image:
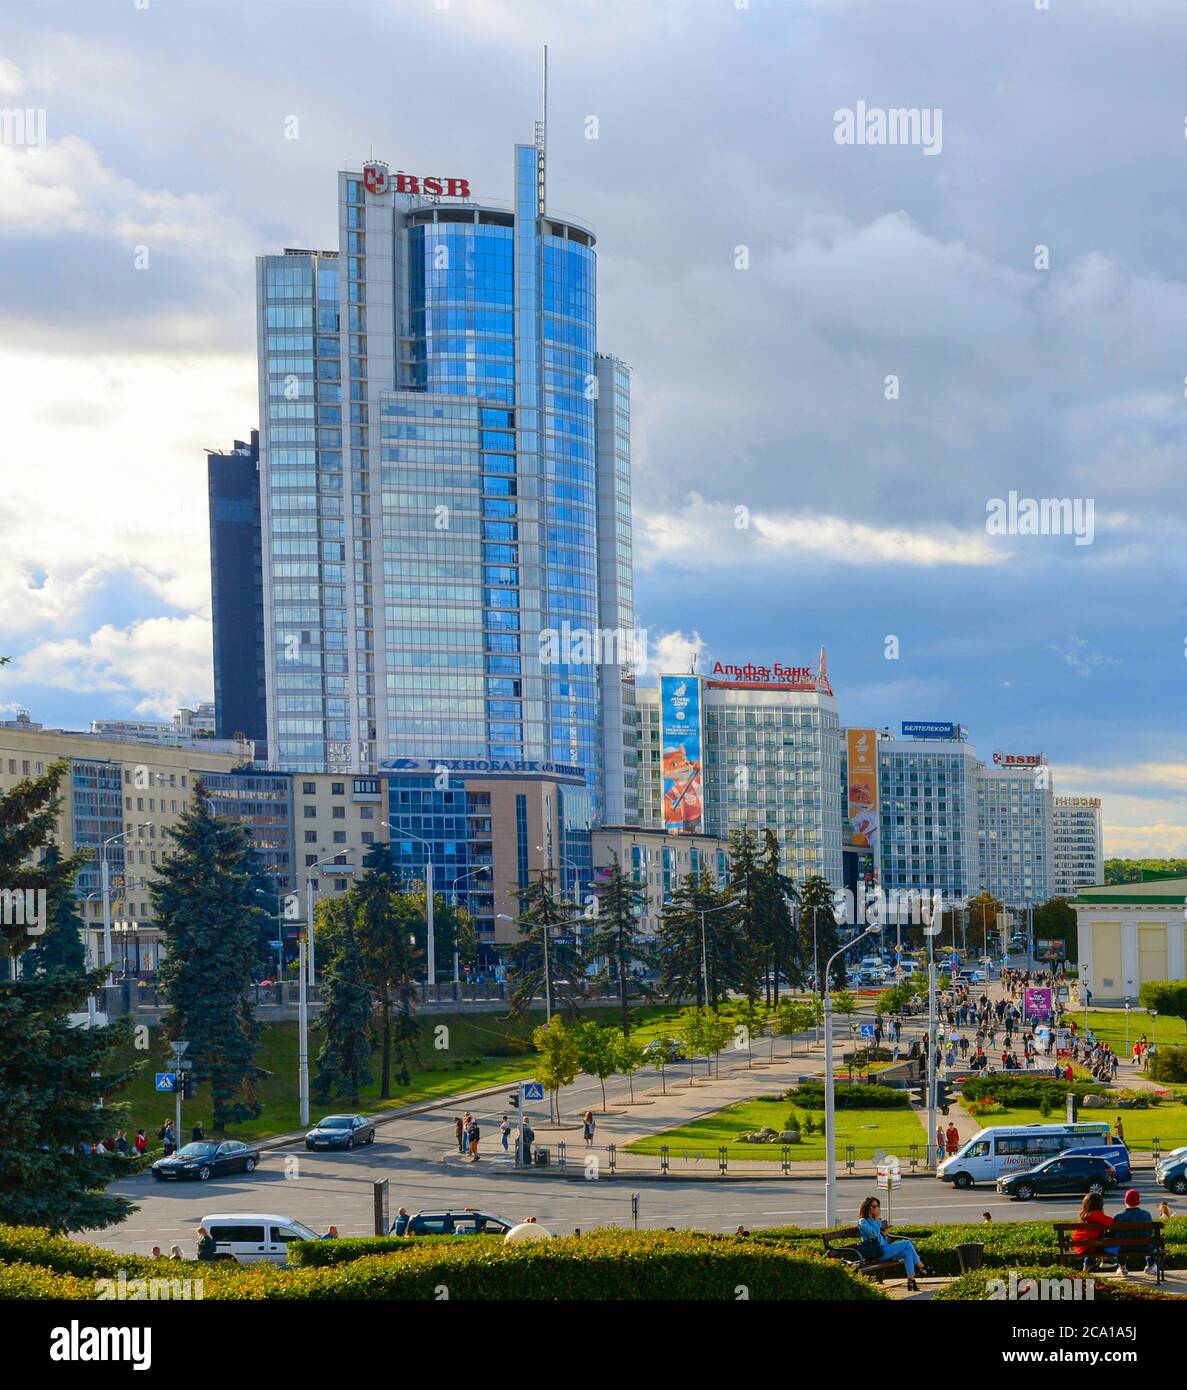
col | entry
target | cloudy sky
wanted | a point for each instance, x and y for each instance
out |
(842, 353)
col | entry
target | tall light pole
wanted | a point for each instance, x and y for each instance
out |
(309, 904)
(830, 1100)
(105, 886)
(704, 912)
(303, 1027)
(430, 937)
(931, 1033)
(545, 929)
(461, 878)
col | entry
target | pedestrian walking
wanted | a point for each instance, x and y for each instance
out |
(198, 1133)
(121, 1143)
(941, 1140)
(505, 1132)
(587, 1128)
(952, 1138)
(400, 1224)
(1118, 1130)
(206, 1246)
(474, 1134)
(140, 1143)
(459, 1134)
(526, 1137)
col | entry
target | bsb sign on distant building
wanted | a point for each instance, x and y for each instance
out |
(1018, 759)
(377, 180)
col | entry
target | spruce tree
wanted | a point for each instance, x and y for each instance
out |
(386, 921)
(778, 934)
(682, 943)
(206, 912)
(616, 939)
(62, 946)
(818, 927)
(541, 913)
(53, 1076)
(344, 1060)
(746, 890)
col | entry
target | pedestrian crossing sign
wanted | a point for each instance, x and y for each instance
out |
(533, 1090)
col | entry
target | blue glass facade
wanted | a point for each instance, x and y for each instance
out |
(430, 471)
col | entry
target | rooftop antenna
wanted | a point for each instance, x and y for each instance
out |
(542, 143)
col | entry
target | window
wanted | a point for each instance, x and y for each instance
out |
(309, 812)
(311, 837)
(337, 788)
(339, 837)
(309, 788)
(339, 812)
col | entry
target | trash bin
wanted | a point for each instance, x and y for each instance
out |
(970, 1256)
(542, 1156)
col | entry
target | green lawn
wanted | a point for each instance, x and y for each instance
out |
(869, 1131)
(1109, 1026)
(483, 1050)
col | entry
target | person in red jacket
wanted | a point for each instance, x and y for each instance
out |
(1093, 1220)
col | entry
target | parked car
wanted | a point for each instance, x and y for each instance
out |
(1171, 1171)
(341, 1132)
(467, 1222)
(1058, 1176)
(655, 1047)
(1116, 1154)
(254, 1237)
(207, 1159)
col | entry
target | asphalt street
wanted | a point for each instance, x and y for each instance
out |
(323, 1189)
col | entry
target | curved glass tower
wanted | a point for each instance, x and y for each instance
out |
(445, 484)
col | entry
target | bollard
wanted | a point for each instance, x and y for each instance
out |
(850, 1158)
(561, 1153)
(664, 1155)
(786, 1159)
(612, 1155)
(914, 1157)
(723, 1159)
(1155, 1149)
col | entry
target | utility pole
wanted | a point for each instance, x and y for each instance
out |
(303, 1031)
(931, 1046)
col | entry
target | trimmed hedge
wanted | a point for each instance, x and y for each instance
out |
(810, 1094)
(1169, 1064)
(1008, 1244)
(974, 1287)
(33, 1245)
(607, 1265)
(1027, 1091)
(321, 1254)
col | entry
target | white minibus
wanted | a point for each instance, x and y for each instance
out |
(1006, 1149)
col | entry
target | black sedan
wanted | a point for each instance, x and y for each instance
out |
(207, 1159)
(1066, 1174)
(341, 1132)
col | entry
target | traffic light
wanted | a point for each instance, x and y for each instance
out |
(188, 1087)
(944, 1095)
(513, 1100)
(919, 1096)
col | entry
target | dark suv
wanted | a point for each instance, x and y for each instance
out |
(457, 1223)
(1064, 1174)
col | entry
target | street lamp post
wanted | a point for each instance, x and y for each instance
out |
(703, 913)
(309, 903)
(461, 878)
(545, 928)
(105, 887)
(430, 937)
(830, 1102)
(303, 1028)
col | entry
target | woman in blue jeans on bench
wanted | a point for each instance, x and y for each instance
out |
(875, 1246)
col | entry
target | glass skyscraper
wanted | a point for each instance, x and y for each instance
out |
(445, 483)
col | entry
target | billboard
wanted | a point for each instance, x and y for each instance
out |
(929, 728)
(680, 751)
(862, 747)
(1036, 1004)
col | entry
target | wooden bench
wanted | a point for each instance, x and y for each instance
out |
(1135, 1237)
(844, 1245)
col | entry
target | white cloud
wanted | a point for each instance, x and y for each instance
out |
(726, 534)
(161, 662)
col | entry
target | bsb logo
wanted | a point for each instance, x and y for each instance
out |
(377, 180)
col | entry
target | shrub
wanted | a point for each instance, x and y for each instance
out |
(36, 1246)
(1027, 1091)
(975, 1287)
(607, 1265)
(324, 1253)
(810, 1094)
(1169, 1064)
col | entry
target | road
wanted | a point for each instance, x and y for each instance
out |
(323, 1189)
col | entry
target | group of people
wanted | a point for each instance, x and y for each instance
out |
(947, 1140)
(119, 1143)
(467, 1132)
(1094, 1219)
(1143, 1050)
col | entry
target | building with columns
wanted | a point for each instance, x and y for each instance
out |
(1129, 933)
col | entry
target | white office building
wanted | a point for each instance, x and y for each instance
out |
(1016, 829)
(1079, 844)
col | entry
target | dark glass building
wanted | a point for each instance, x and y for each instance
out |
(236, 593)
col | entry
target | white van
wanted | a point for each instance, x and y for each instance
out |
(252, 1236)
(1007, 1149)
